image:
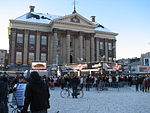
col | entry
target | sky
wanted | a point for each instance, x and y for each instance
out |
(129, 18)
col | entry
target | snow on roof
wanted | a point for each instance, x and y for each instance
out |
(101, 27)
(37, 17)
(47, 18)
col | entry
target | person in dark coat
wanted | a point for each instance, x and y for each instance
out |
(36, 95)
(3, 94)
(137, 82)
(88, 82)
(75, 81)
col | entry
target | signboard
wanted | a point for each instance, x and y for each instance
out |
(77, 66)
(38, 65)
(111, 66)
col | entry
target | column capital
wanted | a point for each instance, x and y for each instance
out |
(68, 32)
(26, 31)
(114, 40)
(49, 33)
(38, 32)
(55, 30)
(13, 29)
(80, 33)
(92, 34)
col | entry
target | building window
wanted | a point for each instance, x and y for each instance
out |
(32, 39)
(70, 43)
(146, 61)
(31, 57)
(101, 45)
(109, 46)
(18, 57)
(1, 59)
(19, 38)
(57, 41)
(43, 56)
(44, 40)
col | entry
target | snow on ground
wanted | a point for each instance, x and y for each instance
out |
(124, 100)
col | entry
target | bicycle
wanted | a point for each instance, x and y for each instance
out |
(15, 109)
(66, 92)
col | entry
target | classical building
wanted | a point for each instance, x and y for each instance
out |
(59, 39)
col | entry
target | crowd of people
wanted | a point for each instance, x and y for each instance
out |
(142, 83)
(36, 94)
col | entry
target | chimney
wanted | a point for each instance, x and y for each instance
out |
(93, 18)
(31, 8)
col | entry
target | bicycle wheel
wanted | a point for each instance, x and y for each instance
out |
(15, 110)
(80, 93)
(64, 93)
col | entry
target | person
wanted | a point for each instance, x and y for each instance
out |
(36, 95)
(3, 94)
(137, 83)
(75, 81)
(81, 82)
(88, 82)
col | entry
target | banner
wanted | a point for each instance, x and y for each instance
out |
(18, 95)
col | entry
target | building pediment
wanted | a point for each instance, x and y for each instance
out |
(76, 20)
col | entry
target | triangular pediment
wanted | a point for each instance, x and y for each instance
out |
(75, 19)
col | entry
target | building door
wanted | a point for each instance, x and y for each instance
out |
(71, 59)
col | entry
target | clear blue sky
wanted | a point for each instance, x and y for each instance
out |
(129, 18)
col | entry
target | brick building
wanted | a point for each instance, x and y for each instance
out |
(59, 39)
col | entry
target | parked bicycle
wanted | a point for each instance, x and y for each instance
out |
(66, 92)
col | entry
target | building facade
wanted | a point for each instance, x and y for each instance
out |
(130, 65)
(59, 39)
(145, 59)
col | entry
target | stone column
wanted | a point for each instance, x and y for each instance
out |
(68, 47)
(106, 50)
(49, 56)
(80, 46)
(92, 49)
(55, 39)
(12, 48)
(38, 45)
(25, 54)
(114, 48)
(97, 50)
